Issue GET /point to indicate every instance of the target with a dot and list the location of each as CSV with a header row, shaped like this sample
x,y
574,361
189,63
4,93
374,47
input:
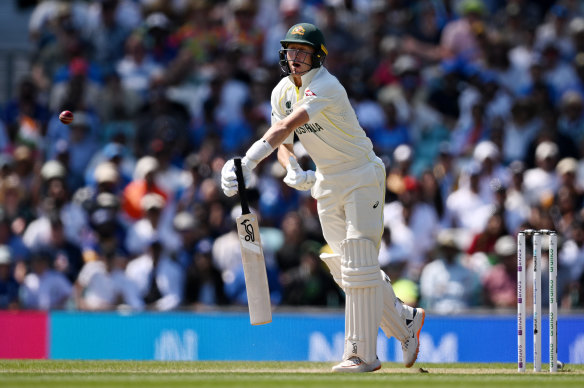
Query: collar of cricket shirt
x,y
307,77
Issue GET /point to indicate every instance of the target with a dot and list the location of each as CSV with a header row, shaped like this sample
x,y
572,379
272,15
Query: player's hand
x,y
297,178
229,179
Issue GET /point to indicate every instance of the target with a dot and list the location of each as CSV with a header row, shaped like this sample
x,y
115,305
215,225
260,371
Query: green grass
x,y
144,374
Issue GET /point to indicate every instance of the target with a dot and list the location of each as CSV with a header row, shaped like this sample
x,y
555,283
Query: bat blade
x,y
254,269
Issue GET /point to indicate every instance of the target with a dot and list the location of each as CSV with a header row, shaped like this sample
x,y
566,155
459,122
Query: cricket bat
x,y
252,256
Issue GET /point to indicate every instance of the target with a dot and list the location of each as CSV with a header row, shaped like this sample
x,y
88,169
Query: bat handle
x,y
241,186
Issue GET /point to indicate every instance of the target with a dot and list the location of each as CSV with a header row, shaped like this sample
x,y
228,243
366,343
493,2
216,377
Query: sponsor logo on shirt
x,y
309,92
309,128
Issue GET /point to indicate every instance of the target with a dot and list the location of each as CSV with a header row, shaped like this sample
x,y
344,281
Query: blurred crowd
x,y
476,108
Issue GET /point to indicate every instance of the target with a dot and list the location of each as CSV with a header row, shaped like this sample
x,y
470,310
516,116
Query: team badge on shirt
x,y
309,92
288,107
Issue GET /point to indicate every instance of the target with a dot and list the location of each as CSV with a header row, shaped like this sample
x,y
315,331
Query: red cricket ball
x,y
66,117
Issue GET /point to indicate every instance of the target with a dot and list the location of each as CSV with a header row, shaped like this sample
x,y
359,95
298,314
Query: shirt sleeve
x,y
313,105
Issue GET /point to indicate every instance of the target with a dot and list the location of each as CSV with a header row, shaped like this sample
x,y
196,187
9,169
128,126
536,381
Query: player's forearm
x,y
280,130
274,137
277,133
284,153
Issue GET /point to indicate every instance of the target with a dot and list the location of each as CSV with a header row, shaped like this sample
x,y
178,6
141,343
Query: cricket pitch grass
x,y
145,374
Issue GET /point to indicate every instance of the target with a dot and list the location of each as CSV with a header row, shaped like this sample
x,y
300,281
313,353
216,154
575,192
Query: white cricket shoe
x,y
356,365
411,346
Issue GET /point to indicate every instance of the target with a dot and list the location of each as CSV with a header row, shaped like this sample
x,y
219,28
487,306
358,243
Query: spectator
x,y
465,208
107,179
431,194
500,281
288,256
470,130
447,286
79,90
515,201
8,285
137,70
113,155
413,224
189,196
461,37
226,255
15,203
569,197
403,156
118,104
24,166
18,250
571,120
556,30
107,36
56,204
277,200
485,241
144,182
289,14
243,33
103,285
67,255
108,229
493,173
160,280
44,288
194,238
541,182
81,139
157,38
519,131
159,118
558,74
394,255
392,133
571,257
151,225
25,116
203,285
309,283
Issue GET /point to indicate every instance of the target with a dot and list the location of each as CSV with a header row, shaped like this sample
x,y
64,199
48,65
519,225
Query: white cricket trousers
x,y
350,201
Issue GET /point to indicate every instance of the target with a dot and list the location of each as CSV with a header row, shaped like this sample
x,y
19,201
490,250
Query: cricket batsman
x,y
349,186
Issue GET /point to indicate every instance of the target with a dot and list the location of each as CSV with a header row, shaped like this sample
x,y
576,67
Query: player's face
x,y
299,58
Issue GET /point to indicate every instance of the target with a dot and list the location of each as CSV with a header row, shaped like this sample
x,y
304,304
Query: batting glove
x,y
297,178
229,179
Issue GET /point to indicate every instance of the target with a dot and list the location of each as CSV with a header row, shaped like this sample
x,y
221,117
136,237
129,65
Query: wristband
x,y
258,151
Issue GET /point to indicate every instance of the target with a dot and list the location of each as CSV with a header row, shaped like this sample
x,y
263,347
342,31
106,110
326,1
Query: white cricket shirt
x,y
332,137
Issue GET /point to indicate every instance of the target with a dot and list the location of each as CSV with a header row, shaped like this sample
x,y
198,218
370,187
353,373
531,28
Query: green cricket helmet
x,y
304,33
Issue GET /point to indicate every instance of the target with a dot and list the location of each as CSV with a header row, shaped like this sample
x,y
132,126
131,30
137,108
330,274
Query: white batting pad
x,y
392,322
333,262
361,281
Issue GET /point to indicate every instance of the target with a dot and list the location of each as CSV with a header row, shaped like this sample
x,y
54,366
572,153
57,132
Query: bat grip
x,y
241,186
